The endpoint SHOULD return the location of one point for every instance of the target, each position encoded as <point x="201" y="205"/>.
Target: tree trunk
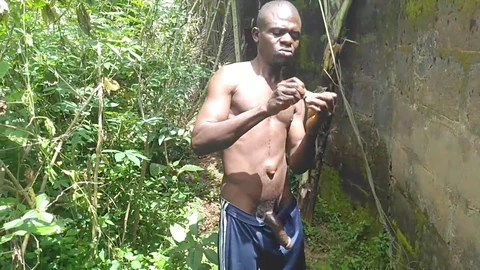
<point x="334" y="14"/>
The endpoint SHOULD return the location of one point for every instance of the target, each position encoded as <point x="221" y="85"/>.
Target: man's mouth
<point x="286" y="52"/>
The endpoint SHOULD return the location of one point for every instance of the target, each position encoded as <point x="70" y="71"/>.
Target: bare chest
<point x="250" y="95"/>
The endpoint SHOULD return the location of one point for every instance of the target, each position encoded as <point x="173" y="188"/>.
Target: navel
<point x="270" y="169"/>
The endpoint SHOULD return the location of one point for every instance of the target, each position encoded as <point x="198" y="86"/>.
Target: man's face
<point x="279" y="37"/>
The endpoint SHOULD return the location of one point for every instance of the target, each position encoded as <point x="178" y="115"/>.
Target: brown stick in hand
<point x="278" y="230"/>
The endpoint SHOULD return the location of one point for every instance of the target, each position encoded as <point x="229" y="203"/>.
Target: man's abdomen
<point x="255" y="172"/>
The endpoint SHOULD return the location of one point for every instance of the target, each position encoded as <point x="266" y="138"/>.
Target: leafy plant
<point x="95" y="164"/>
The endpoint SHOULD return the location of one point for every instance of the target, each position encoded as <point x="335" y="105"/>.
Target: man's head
<point x="277" y="33"/>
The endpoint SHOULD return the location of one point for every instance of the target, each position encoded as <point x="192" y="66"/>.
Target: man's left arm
<point x="300" y="144"/>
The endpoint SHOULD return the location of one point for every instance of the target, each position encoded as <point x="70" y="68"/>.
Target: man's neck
<point x="271" y="73"/>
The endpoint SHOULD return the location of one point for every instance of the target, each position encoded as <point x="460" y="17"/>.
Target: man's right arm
<point x="213" y="131"/>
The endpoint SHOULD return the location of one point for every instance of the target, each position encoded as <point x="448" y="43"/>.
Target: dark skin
<point x="255" y="119"/>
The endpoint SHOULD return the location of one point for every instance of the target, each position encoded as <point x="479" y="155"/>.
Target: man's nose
<point x="287" y="39"/>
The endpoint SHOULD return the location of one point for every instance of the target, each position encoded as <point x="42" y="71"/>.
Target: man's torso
<point x="255" y="165"/>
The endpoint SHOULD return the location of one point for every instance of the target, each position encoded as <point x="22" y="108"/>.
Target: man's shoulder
<point x="230" y="75"/>
<point x="233" y="69"/>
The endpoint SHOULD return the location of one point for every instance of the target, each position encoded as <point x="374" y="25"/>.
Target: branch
<point x="61" y="139"/>
<point x="17" y="185"/>
<point x="98" y="150"/>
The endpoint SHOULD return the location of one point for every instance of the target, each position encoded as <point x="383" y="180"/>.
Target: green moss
<point x="403" y="241"/>
<point x="465" y="58"/>
<point x="304" y="61"/>
<point x="422" y="220"/>
<point x="419" y="8"/>
<point x="466" y="7"/>
<point x="353" y="212"/>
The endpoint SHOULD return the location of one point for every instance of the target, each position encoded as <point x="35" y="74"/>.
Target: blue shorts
<point x="247" y="243"/>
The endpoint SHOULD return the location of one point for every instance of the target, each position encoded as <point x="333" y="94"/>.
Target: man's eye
<point x="295" y="36"/>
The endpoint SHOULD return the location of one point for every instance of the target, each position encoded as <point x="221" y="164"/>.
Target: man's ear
<point x="255" y="34"/>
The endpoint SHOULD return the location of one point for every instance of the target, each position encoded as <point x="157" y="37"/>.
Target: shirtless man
<point x="256" y="119"/>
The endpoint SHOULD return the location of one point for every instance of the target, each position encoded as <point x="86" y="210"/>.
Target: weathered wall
<point x="414" y="83"/>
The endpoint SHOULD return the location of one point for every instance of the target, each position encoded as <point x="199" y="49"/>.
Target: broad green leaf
<point x="134" y="54"/>
<point x="161" y="139"/>
<point x="193" y="218"/>
<point x="136" y="153"/>
<point x="13" y="224"/>
<point x="136" y="265"/>
<point x="16" y="136"/>
<point x="211" y="255"/>
<point x="190" y="168"/>
<point x="114" y="49"/>
<point x="48" y="230"/>
<point x="8" y="237"/>
<point x="101" y="255"/>
<point x="193" y="223"/>
<point x="41" y="202"/>
<point x="129" y="256"/>
<point x="115" y="265"/>
<point x="36" y="226"/>
<point x="194" y="258"/>
<point x="4" y="67"/>
<point x="133" y="159"/>
<point x="5" y="206"/>
<point x="45" y="217"/>
<point x="156" y="169"/>
<point x="178" y="232"/>
<point x="211" y="239"/>
<point x="119" y="156"/>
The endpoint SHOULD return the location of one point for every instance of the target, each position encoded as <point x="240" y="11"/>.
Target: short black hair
<point x="269" y="6"/>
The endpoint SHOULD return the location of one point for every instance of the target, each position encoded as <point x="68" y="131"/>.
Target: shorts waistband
<point x="238" y="213"/>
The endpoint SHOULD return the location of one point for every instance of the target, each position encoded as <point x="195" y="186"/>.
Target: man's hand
<point x="321" y="102"/>
<point x="287" y="93"/>
<point x="319" y="105"/>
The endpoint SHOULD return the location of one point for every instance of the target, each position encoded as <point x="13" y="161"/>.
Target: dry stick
<point x="217" y="58"/>
<point x="98" y="150"/>
<point x="222" y="38"/>
<point x="383" y="217"/>
<point x="236" y="34"/>
<point x="136" y="210"/>
<point x="309" y="184"/>
<point x="62" y="138"/>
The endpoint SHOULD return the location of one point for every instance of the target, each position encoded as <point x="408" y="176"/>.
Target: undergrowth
<point x="343" y="238"/>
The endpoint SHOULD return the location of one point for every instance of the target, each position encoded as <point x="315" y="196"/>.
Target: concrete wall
<point x="414" y="83"/>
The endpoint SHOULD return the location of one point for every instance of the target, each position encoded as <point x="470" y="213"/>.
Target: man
<point x="255" y="117"/>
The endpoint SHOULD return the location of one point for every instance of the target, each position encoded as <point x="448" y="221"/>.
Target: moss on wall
<point x="466" y="7"/>
<point x="419" y="12"/>
<point x="304" y="61"/>
<point x="351" y="211"/>
<point x="417" y="8"/>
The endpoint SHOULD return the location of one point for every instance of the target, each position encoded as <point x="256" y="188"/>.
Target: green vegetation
<point x="95" y="137"/>
<point x="346" y="235"/>
<point x="96" y="104"/>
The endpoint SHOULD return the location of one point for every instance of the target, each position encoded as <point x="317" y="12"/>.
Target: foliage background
<point x="96" y="98"/>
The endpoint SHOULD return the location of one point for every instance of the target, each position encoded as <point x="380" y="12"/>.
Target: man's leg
<point x="295" y="257"/>
<point x="237" y="240"/>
